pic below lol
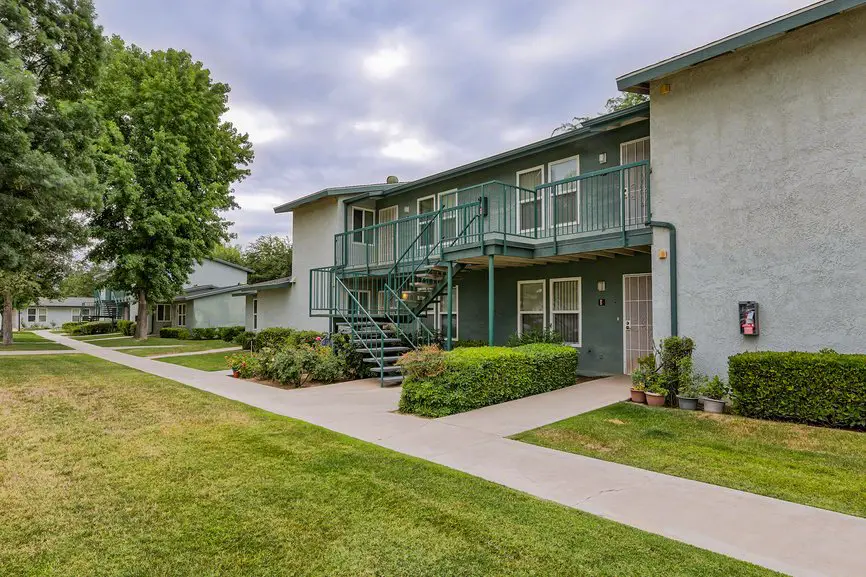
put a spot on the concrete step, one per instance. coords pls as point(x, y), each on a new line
point(387, 370)
point(392, 381)
point(370, 342)
point(388, 360)
point(377, 350)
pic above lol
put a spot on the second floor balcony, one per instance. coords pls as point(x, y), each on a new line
point(559, 216)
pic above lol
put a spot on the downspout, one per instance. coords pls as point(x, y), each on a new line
point(673, 270)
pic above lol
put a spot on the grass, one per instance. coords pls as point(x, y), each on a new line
point(814, 466)
point(176, 345)
point(202, 362)
point(25, 341)
point(90, 337)
point(108, 471)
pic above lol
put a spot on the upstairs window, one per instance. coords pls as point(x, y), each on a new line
point(530, 212)
point(565, 197)
point(361, 219)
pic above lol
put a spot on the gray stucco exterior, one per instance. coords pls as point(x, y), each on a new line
point(758, 159)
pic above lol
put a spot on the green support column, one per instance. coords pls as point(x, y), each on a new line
point(450, 337)
point(490, 300)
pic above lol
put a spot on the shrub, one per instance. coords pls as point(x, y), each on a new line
point(690, 384)
point(228, 334)
point(69, 327)
point(534, 336)
point(326, 366)
point(93, 328)
point(304, 338)
point(470, 378)
point(673, 350)
point(356, 368)
point(468, 343)
point(203, 334)
point(824, 388)
point(274, 337)
point(715, 389)
point(245, 339)
point(169, 332)
point(286, 367)
point(127, 328)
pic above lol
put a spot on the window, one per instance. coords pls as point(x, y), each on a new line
point(530, 212)
point(255, 314)
point(442, 315)
point(31, 315)
point(78, 314)
point(163, 313)
point(362, 218)
point(531, 304)
point(565, 301)
point(181, 315)
point(565, 197)
point(427, 205)
point(43, 315)
point(448, 200)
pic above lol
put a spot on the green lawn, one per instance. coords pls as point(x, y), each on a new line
point(91, 337)
point(202, 362)
point(176, 345)
point(811, 465)
point(25, 341)
point(108, 471)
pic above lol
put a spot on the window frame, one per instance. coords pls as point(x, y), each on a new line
point(553, 192)
point(78, 313)
point(364, 233)
point(539, 225)
point(181, 314)
point(543, 311)
point(578, 312)
point(255, 313)
point(35, 314)
point(453, 193)
point(162, 308)
point(442, 309)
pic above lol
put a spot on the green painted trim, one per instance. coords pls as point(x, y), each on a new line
point(450, 341)
point(673, 271)
point(638, 81)
point(589, 128)
point(334, 191)
point(491, 296)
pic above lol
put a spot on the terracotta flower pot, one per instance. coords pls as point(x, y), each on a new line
point(236, 374)
point(655, 400)
point(638, 396)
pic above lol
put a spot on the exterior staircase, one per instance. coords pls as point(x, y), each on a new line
point(380, 346)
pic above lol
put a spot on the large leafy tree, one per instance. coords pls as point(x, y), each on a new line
point(229, 252)
point(81, 280)
point(50, 54)
point(623, 100)
point(169, 167)
point(270, 257)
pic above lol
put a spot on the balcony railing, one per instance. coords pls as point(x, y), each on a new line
point(615, 199)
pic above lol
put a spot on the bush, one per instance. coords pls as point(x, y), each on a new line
point(274, 337)
point(93, 328)
point(245, 339)
point(228, 334)
point(286, 367)
point(823, 388)
point(468, 343)
point(535, 336)
point(69, 327)
point(437, 384)
point(174, 333)
point(127, 328)
point(356, 368)
point(304, 338)
point(326, 366)
point(673, 350)
point(203, 334)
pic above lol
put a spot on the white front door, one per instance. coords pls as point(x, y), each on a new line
point(387, 234)
point(635, 180)
point(637, 319)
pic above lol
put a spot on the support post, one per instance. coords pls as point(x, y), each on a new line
point(448, 332)
point(490, 297)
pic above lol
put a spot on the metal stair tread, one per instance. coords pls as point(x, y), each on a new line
point(386, 359)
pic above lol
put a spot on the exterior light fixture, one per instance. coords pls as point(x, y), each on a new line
point(602, 286)
point(665, 89)
point(602, 158)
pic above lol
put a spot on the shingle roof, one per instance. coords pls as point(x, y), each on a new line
point(334, 191)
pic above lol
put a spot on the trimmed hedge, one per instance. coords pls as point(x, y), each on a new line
point(823, 388)
point(173, 333)
point(93, 328)
point(126, 327)
point(471, 378)
point(228, 334)
point(69, 327)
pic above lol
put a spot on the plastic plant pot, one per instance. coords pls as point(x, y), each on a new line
point(714, 406)
point(687, 403)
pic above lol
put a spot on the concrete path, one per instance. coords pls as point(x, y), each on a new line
point(141, 347)
point(36, 353)
point(193, 353)
point(787, 537)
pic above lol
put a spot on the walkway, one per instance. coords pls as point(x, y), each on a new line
point(192, 353)
point(784, 536)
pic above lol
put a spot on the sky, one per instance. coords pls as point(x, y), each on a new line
point(342, 92)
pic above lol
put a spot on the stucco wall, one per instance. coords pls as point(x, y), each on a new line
point(55, 316)
point(274, 309)
point(217, 274)
point(758, 159)
point(222, 310)
point(314, 227)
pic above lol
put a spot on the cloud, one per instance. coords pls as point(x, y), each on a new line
point(340, 92)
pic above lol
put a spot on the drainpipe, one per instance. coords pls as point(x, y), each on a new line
point(673, 270)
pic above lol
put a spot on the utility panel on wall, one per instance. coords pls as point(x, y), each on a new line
point(749, 322)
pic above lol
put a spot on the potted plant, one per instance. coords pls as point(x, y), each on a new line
point(690, 385)
point(714, 394)
point(638, 378)
point(235, 362)
point(655, 393)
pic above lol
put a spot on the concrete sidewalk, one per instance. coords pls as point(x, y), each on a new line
point(193, 353)
point(787, 537)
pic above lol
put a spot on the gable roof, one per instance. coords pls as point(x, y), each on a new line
point(72, 302)
point(333, 191)
point(639, 80)
point(588, 128)
point(230, 264)
point(197, 293)
point(252, 289)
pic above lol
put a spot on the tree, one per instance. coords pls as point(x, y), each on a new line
point(270, 257)
point(230, 253)
point(50, 53)
point(82, 280)
point(169, 163)
point(624, 100)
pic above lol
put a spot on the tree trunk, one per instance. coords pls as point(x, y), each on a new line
point(141, 328)
point(7, 318)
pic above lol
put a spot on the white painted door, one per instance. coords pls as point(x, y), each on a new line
point(635, 180)
point(387, 234)
point(637, 318)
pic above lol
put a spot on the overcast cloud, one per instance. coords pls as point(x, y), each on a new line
point(340, 92)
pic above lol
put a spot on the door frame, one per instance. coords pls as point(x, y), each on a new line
point(379, 220)
point(624, 337)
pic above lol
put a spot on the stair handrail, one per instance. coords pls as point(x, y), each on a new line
point(415, 318)
point(382, 335)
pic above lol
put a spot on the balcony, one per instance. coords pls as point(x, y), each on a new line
point(565, 216)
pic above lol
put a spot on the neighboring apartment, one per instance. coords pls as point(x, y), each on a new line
point(53, 313)
point(206, 300)
point(730, 209)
